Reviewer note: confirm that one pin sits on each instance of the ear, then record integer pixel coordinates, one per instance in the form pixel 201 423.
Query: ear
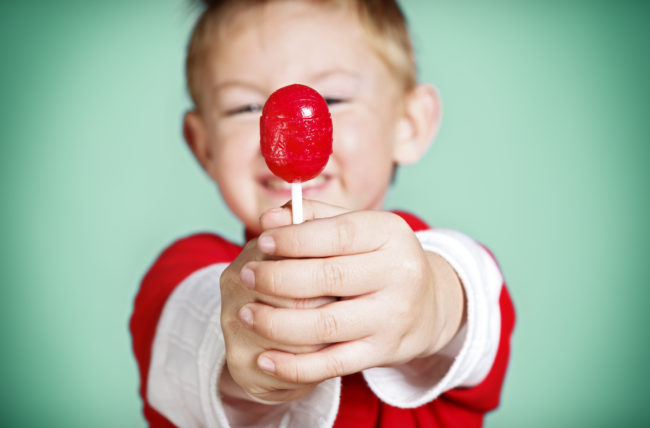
pixel 196 138
pixel 418 125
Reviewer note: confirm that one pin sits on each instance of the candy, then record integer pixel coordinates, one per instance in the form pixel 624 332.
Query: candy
pixel 296 133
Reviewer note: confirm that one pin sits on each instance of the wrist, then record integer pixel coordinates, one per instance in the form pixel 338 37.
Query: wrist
pixel 448 303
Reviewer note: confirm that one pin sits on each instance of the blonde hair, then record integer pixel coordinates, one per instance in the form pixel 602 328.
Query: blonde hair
pixel 383 20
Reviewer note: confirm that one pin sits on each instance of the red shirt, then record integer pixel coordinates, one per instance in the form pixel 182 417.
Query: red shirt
pixel 359 407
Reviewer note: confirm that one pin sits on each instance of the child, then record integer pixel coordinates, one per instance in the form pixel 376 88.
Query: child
pixel 356 317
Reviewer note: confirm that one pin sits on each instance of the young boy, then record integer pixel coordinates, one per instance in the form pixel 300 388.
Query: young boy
pixel 356 317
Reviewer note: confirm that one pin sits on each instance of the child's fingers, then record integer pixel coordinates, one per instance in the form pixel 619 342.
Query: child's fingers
pixel 338 322
pixel 263 386
pixel 277 217
pixel 349 233
pixel 336 360
pixel 291 303
pixel 313 210
pixel 341 276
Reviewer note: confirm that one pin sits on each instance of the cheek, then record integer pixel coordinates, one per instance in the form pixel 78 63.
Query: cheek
pixel 362 151
pixel 234 167
pixel 236 146
pixel 362 142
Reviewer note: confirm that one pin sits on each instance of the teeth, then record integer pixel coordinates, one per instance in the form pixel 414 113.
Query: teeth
pixel 316 181
pixel 277 184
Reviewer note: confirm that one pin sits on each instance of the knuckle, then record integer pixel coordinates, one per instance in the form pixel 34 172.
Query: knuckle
pixel 402 311
pixel 327 326
pixel 298 375
pixel 335 366
pixel 345 234
pixel 333 275
pixel 230 324
pixel 268 278
pixel 272 282
pixel 226 278
pixel 294 241
pixel 265 325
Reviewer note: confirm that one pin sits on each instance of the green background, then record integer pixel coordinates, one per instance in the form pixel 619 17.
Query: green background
pixel 542 156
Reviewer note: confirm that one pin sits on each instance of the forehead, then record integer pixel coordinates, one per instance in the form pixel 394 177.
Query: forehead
pixel 286 40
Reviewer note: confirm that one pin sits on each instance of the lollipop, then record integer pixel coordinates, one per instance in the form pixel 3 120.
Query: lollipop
pixel 296 138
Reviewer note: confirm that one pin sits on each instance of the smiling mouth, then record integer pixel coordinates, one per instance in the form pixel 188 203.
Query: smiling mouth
pixel 275 184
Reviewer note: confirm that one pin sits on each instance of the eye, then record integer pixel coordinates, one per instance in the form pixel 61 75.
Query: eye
pixel 249 108
pixel 333 101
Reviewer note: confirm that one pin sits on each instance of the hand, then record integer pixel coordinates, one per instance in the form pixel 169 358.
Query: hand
pixel 397 303
pixel 242 378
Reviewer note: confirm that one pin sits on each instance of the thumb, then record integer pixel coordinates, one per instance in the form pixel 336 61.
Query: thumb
pixel 312 210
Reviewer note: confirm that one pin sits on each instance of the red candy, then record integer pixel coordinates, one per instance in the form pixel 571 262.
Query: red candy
pixel 296 133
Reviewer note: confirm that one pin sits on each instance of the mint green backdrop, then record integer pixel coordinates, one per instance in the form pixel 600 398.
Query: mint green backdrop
pixel 542 156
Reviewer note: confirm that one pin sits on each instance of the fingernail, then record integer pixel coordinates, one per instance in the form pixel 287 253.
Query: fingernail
pixel 248 278
pixel 266 244
pixel 246 316
pixel 266 364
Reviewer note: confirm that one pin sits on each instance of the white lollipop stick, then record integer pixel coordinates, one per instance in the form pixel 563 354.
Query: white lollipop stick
pixel 296 202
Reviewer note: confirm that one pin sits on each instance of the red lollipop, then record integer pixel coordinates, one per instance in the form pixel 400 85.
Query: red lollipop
pixel 296 137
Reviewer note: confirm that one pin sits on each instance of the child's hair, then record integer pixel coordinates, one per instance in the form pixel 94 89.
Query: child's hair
pixel 384 23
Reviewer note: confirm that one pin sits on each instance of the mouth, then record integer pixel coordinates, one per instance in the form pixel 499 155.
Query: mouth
pixel 278 186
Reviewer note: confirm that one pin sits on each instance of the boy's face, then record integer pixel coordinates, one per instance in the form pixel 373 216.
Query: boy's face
pixel 267 47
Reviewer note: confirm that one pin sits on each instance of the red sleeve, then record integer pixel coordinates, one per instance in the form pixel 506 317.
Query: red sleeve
pixel 174 265
pixel 460 407
pixel 463 407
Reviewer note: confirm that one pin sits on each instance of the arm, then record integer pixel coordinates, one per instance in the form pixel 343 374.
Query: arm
pixel 325 397
pixel 189 381
pixel 174 265
pixel 466 359
pixel 179 345
pixel 380 340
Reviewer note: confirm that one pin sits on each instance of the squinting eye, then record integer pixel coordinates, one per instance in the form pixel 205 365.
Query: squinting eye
pixel 332 101
pixel 250 108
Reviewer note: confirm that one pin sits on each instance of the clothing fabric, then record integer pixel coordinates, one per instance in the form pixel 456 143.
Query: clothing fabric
pixel 180 352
